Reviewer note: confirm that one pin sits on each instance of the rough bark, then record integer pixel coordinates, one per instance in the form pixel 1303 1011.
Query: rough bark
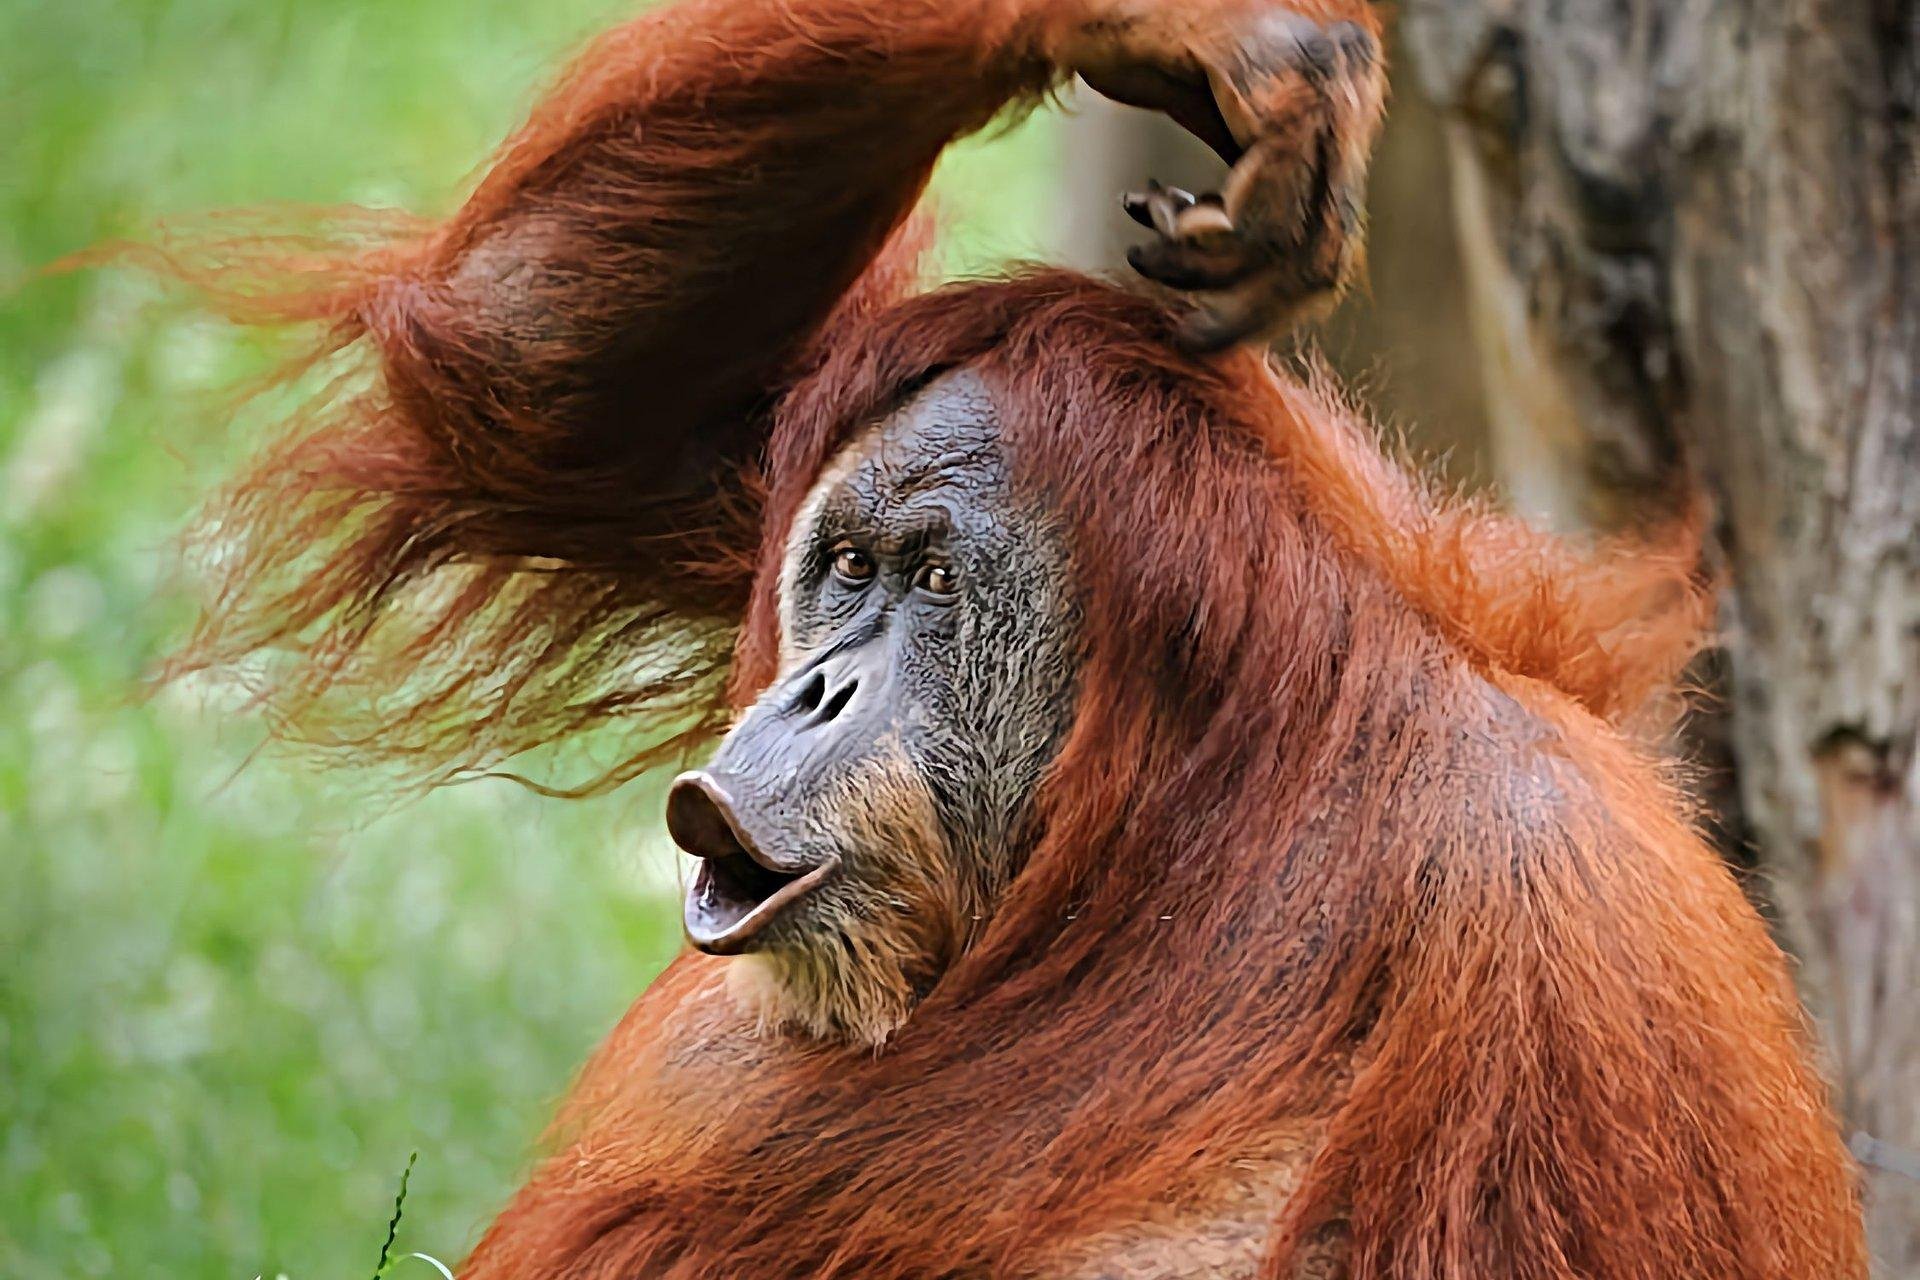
pixel 1689 230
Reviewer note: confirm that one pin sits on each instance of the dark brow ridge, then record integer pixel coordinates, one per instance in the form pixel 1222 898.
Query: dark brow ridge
pixel 909 533
pixel 934 471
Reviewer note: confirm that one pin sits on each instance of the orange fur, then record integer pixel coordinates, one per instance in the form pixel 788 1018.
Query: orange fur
pixel 1353 852
pixel 1308 860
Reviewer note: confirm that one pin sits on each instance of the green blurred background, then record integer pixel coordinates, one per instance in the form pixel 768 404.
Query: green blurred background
pixel 232 1000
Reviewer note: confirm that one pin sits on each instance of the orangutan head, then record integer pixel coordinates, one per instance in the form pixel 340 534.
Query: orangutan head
pixel 858 823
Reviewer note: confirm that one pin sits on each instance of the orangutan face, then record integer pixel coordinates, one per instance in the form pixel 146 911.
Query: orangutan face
pixel 857 825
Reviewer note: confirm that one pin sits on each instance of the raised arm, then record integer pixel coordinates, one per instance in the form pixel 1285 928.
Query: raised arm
pixel 569 376
pixel 710 180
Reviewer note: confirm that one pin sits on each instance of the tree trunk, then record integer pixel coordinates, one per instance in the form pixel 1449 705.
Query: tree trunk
pixel 1689 229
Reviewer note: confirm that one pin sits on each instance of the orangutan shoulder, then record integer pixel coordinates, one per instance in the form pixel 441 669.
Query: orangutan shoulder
pixel 1541 798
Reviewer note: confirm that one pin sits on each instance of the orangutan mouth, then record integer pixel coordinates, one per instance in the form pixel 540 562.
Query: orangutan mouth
pixel 738 890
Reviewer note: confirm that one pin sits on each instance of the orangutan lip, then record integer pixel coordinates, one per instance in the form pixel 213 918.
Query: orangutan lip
pixel 737 890
pixel 732 900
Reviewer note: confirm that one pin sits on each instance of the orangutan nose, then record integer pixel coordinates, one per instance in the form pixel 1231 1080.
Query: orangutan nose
pixel 822 696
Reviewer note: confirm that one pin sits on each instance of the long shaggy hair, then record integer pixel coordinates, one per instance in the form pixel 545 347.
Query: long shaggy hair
pixel 1354 837
pixel 1359 857
pixel 1348 839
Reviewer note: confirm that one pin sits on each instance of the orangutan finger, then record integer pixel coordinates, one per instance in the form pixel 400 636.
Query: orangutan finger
pixel 1186 267
pixel 1203 220
pixel 1220 324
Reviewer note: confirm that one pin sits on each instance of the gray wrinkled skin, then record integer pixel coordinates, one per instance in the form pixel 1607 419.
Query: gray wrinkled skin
pixel 908 731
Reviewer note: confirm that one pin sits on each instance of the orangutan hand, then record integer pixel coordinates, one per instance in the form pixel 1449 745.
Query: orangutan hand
pixel 1290 94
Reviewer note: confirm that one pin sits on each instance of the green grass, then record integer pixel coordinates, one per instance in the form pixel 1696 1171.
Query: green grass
pixel 232 1000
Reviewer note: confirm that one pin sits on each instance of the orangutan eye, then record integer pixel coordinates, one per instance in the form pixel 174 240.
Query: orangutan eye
pixel 937 580
pixel 850 563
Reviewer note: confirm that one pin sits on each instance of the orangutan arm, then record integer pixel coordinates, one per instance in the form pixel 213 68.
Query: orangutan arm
pixel 686 210
pixel 570 380
pixel 607 318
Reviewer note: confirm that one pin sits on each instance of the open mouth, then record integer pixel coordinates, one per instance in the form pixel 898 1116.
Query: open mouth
pixel 738 890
